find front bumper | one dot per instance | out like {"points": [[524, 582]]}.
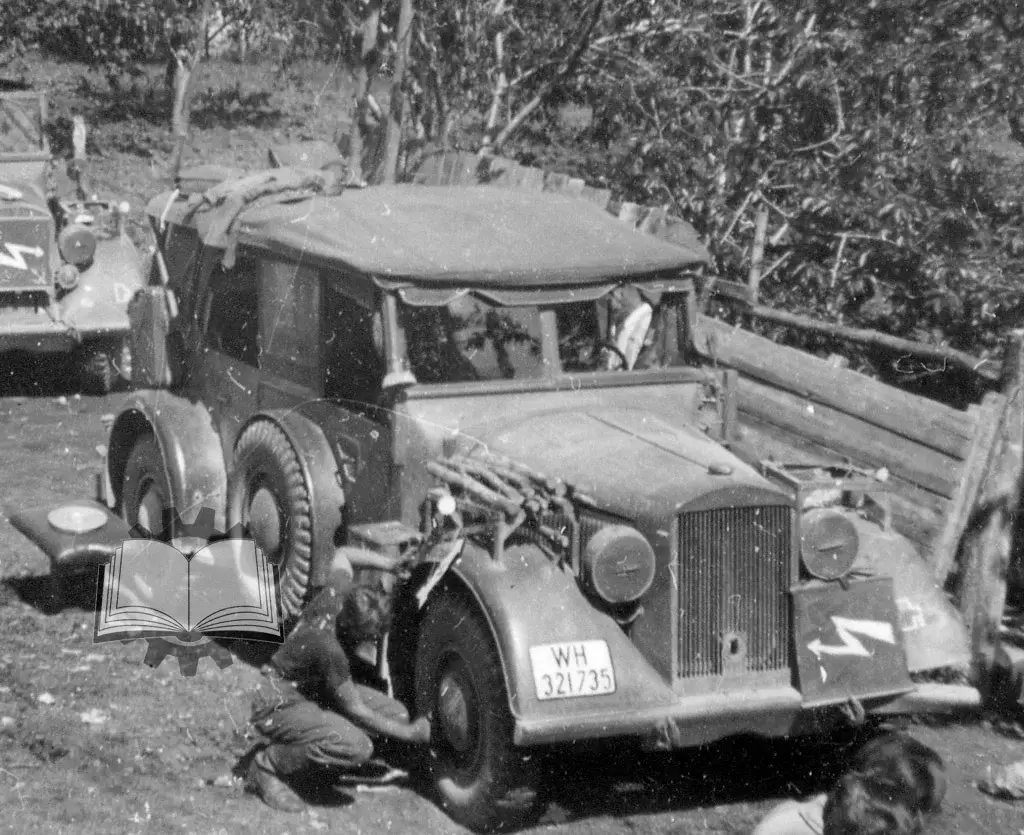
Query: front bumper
{"points": [[698, 720], [44, 336]]}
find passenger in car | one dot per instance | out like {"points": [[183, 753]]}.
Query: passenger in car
{"points": [[892, 785]]}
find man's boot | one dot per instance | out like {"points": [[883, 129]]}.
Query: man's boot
{"points": [[275, 792]]}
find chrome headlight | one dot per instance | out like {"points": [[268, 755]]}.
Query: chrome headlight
{"points": [[828, 543]]}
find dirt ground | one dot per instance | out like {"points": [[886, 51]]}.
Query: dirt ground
{"points": [[92, 740]]}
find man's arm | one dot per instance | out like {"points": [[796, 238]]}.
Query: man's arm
{"points": [[351, 705]]}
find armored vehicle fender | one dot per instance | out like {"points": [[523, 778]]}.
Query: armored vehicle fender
{"points": [[536, 611], [320, 484], [188, 445], [106, 288]]}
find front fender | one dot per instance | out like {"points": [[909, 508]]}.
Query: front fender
{"points": [[327, 499], [100, 302], [189, 445], [934, 634], [528, 602]]}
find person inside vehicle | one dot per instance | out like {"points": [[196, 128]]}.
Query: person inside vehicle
{"points": [[893, 784], [317, 721]]}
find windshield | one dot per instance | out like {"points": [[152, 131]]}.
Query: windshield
{"points": [[472, 339]]}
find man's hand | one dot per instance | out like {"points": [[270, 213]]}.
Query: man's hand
{"points": [[419, 731]]}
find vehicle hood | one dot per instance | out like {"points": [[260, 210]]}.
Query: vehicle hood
{"points": [[630, 462]]}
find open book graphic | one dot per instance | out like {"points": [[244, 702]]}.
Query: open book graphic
{"points": [[226, 589]]}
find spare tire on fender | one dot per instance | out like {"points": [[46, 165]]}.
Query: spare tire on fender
{"points": [[269, 497]]}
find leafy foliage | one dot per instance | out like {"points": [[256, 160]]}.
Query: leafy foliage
{"points": [[861, 129]]}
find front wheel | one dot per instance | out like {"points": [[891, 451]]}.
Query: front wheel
{"points": [[482, 780]]}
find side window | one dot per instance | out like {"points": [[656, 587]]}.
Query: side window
{"points": [[289, 326], [233, 302], [353, 353]]}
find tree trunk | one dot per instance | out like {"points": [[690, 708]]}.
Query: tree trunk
{"points": [[365, 72], [393, 140], [186, 62]]}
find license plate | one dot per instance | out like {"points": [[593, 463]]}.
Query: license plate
{"points": [[572, 669]]}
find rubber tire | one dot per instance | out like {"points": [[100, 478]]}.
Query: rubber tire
{"points": [[145, 465], [497, 789], [264, 455]]}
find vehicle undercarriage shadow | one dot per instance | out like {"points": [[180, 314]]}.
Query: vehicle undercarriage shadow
{"points": [[30, 375], [622, 780]]}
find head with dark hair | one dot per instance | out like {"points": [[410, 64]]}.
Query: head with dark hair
{"points": [[365, 614], [893, 782], [900, 757], [860, 804]]}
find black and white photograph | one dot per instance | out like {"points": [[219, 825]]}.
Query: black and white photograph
{"points": [[557, 417]]}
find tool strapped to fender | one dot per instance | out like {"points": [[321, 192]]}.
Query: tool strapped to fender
{"points": [[495, 497]]}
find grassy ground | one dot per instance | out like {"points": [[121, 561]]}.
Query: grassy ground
{"points": [[239, 111]]}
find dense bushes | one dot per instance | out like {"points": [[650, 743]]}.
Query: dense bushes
{"points": [[866, 131]]}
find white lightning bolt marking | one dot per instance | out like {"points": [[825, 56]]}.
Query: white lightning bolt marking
{"points": [[14, 257], [846, 627]]}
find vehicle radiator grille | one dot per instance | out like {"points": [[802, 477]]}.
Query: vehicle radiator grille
{"points": [[734, 576]]}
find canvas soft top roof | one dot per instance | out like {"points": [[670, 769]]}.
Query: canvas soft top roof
{"points": [[441, 236]]}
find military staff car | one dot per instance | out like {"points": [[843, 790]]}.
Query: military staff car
{"points": [[490, 399], [67, 267]]}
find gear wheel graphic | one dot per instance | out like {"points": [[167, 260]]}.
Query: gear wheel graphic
{"points": [[187, 537], [188, 654]]}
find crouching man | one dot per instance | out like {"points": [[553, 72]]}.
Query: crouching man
{"points": [[317, 720]]}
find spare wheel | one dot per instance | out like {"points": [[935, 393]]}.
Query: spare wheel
{"points": [[268, 495]]}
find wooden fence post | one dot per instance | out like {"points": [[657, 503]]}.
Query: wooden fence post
{"points": [[989, 539], [757, 254], [987, 418]]}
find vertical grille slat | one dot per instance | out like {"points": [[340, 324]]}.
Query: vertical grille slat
{"points": [[733, 582]]}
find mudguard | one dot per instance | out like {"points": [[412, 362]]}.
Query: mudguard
{"points": [[189, 445], [327, 499], [529, 602], [99, 305], [934, 634]]}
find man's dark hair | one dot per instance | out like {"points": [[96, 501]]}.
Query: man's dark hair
{"points": [[860, 804], [365, 614], [903, 758], [893, 782]]}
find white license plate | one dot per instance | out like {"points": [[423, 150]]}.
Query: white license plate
{"points": [[571, 669]]}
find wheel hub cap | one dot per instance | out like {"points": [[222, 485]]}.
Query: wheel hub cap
{"points": [[265, 523], [453, 708]]}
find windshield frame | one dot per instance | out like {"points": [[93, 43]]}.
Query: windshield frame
{"points": [[681, 292]]}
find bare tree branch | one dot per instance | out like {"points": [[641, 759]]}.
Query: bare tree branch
{"points": [[572, 60]]}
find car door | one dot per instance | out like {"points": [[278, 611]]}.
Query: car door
{"points": [[353, 370], [229, 367], [290, 357]]}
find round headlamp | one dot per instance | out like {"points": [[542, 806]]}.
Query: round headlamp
{"points": [[828, 543], [77, 245], [66, 277], [618, 564]]}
